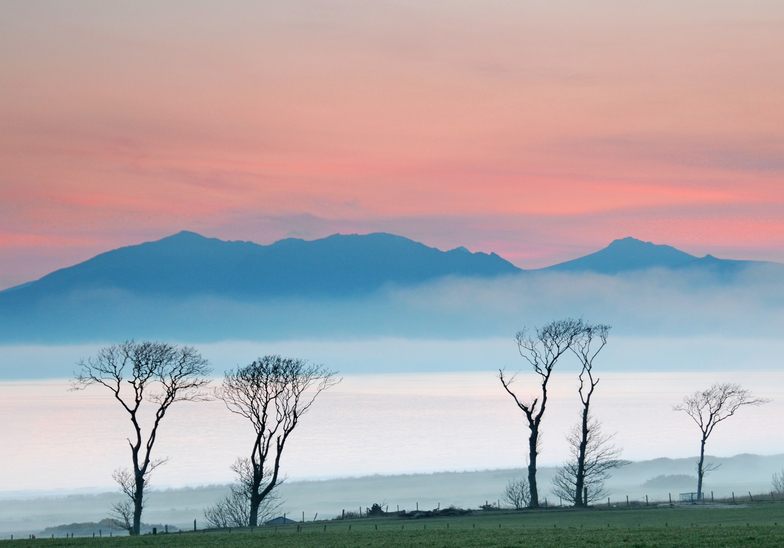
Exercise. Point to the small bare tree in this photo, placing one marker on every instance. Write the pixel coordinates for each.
(158, 373)
(592, 458)
(272, 393)
(234, 509)
(707, 408)
(777, 482)
(517, 493)
(541, 350)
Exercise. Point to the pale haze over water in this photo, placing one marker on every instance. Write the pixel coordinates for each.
(371, 424)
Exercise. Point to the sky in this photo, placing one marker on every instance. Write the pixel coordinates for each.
(537, 130)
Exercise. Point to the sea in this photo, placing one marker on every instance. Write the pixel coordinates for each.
(54, 440)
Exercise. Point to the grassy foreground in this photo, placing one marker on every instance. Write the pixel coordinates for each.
(692, 526)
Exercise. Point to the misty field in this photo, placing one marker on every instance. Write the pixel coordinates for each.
(758, 524)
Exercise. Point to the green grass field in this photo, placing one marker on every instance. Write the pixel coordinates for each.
(757, 524)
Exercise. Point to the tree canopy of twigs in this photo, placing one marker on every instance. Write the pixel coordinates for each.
(598, 456)
(154, 372)
(707, 408)
(541, 349)
(273, 393)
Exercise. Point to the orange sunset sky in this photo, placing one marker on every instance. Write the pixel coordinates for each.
(538, 130)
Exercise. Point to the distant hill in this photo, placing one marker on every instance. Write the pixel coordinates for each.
(624, 255)
(630, 254)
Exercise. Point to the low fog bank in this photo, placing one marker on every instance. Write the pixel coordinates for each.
(392, 355)
(640, 304)
(179, 507)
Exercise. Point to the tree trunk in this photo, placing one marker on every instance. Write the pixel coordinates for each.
(255, 502)
(255, 496)
(532, 447)
(138, 500)
(700, 469)
(580, 479)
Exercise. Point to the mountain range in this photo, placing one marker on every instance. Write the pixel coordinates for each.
(188, 264)
(95, 298)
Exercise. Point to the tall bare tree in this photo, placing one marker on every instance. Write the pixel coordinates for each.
(272, 393)
(158, 373)
(707, 408)
(541, 349)
(593, 457)
(586, 346)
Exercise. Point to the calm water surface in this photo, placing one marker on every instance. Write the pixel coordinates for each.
(54, 440)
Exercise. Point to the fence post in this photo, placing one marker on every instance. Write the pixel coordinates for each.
(608, 502)
(627, 500)
(750, 497)
(646, 500)
(670, 494)
(733, 497)
(194, 525)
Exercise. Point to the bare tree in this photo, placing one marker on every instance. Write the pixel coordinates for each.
(541, 350)
(708, 408)
(587, 345)
(517, 493)
(777, 482)
(158, 373)
(592, 458)
(272, 393)
(234, 509)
